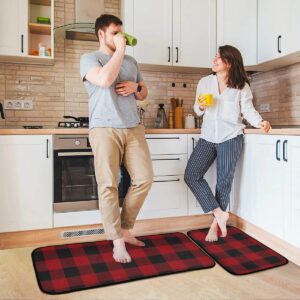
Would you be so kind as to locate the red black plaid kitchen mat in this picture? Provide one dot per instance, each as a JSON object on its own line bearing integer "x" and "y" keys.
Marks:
{"x": 238, "y": 253}
{"x": 73, "y": 267}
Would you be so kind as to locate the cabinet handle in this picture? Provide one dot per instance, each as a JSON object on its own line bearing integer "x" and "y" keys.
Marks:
{"x": 176, "y": 54}
{"x": 154, "y": 159}
{"x": 163, "y": 138}
{"x": 193, "y": 143}
{"x": 279, "y": 44}
{"x": 277, "y": 156}
{"x": 47, "y": 148}
{"x": 284, "y": 148}
{"x": 22, "y": 43}
{"x": 169, "y": 49}
{"x": 166, "y": 180}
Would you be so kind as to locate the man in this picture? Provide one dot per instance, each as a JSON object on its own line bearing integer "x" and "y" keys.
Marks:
{"x": 114, "y": 83}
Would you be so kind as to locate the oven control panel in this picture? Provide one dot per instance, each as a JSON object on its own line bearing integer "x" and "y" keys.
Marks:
{"x": 70, "y": 142}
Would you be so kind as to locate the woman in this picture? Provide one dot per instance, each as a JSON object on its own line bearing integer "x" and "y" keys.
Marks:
{"x": 221, "y": 134}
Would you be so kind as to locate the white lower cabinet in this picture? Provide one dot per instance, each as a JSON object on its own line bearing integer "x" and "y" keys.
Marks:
{"x": 292, "y": 224}
{"x": 26, "y": 182}
{"x": 167, "y": 198}
{"x": 194, "y": 207}
{"x": 266, "y": 190}
{"x": 168, "y": 195}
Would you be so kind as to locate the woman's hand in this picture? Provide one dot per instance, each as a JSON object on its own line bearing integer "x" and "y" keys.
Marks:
{"x": 265, "y": 126}
{"x": 202, "y": 103}
{"x": 126, "y": 88}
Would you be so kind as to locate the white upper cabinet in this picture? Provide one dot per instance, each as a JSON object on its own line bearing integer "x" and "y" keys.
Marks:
{"x": 154, "y": 34}
{"x": 278, "y": 28}
{"x": 194, "y": 32}
{"x": 25, "y": 25}
{"x": 176, "y": 32}
{"x": 237, "y": 26}
{"x": 293, "y": 42}
{"x": 13, "y": 27}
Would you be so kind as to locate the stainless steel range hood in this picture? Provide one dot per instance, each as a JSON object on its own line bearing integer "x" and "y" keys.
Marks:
{"x": 86, "y": 12}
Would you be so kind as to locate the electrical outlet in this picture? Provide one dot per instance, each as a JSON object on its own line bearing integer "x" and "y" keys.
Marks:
{"x": 27, "y": 104}
{"x": 18, "y": 104}
{"x": 8, "y": 104}
{"x": 264, "y": 107}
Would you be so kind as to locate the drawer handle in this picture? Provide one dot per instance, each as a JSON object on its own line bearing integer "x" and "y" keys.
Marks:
{"x": 277, "y": 153}
{"x": 284, "y": 146}
{"x": 166, "y": 180}
{"x": 163, "y": 138}
{"x": 165, "y": 159}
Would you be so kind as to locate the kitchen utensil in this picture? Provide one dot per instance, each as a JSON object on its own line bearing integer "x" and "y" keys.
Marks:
{"x": 161, "y": 119}
{"x": 189, "y": 121}
{"x": 84, "y": 121}
{"x": 198, "y": 122}
{"x": 179, "y": 117}
{"x": 171, "y": 119}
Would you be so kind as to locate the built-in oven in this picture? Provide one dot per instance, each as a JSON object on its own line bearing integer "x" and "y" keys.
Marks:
{"x": 75, "y": 186}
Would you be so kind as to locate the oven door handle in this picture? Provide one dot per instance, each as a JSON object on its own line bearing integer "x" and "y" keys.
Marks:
{"x": 74, "y": 153}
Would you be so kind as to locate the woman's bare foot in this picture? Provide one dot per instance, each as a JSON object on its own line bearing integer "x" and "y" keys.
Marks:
{"x": 212, "y": 235}
{"x": 221, "y": 217}
{"x": 130, "y": 239}
{"x": 120, "y": 253}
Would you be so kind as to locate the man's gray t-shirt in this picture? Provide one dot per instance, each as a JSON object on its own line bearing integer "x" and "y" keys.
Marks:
{"x": 106, "y": 107}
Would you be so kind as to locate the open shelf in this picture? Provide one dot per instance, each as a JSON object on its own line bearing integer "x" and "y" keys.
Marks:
{"x": 41, "y": 2}
{"x": 37, "y": 28}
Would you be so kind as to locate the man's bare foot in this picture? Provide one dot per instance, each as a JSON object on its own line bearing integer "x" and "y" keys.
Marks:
{"x": 221, "y": 217}
{"x": 130, "y": 239}
{"x": 212, "y": 235}
{"x": 120, "y": 253}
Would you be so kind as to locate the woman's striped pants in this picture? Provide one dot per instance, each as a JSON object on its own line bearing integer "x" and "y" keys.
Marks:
{"x": 227, "y": 154}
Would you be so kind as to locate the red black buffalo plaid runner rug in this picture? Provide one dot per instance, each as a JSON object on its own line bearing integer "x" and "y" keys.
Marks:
{"x": 238, "y": 253}
{"x": 73, "y": 267}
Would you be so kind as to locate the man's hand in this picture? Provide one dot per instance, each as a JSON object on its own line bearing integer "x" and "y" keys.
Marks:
{"x": 126, "y": 88}
{"x": 120, "y": 41}
{"x": 265, "y": 126}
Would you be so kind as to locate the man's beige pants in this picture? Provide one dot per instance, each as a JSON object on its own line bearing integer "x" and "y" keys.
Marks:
{"x": 110, "y": 147}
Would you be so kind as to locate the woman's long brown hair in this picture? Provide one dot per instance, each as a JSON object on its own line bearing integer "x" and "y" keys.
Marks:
{"x": 237, "y": 76}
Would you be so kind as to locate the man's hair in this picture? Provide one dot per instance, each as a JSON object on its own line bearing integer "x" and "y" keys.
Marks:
{"x": 104, "y": 21}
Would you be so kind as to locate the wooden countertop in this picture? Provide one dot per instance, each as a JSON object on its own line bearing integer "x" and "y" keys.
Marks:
{"x": 50, "y": 131}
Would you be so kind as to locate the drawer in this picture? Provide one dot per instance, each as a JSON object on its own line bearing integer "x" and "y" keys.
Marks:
{"x": 164, "y": 165}
{"x": 167, "y": 143}
{"x": 167, "y": 198}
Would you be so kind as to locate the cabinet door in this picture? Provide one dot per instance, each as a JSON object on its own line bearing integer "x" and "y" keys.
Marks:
{"x": 269, "y": 199}
{"x": 152, "y": 26}
{"x": 292, "y": 43}
{"x": 26, "y": 182}
{"x": 194, "y": 32}
{"x": 237, "y": 26}
{"x": 167, "y": 198}
{"x": 292, "y": 228}
{"x": 210, "y": 176}
{"x": 272, "y": 28}
{"x": 13, "y": 27}
{"x": 244, "y": 190}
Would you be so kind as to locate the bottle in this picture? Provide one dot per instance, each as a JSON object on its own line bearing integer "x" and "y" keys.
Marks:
{"x": 130, "y": 40}
{"x": 42, "y": 50}
{"x": 161, "y": 119}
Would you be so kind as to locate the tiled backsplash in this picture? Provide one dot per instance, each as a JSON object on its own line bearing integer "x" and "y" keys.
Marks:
{"x": 57, "y": 90}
